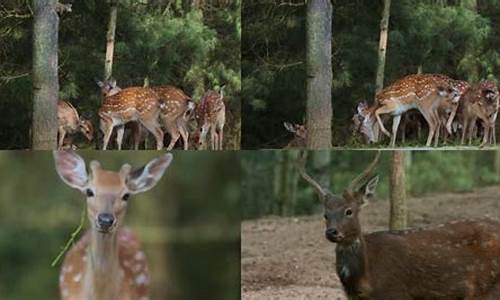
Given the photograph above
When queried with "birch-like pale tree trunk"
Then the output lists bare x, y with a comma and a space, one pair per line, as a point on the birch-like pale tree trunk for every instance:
382, 48
110, 39
399, 210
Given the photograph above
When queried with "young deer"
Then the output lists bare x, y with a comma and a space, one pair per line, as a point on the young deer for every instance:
300, 135
70, 122
121, 106
210, 116
458, 260
481, 102
175, 113
424, 92
107, 262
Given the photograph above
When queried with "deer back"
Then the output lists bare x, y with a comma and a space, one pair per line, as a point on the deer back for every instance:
175, 102
131, 103
67, 115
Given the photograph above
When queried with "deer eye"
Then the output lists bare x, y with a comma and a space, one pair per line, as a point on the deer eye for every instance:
348, 212
126, 197
89, 193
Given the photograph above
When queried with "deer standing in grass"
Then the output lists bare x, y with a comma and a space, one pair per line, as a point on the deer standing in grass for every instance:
300, 135
457, 260
424, 92
107, 262
210, 115
70, 122
121, 106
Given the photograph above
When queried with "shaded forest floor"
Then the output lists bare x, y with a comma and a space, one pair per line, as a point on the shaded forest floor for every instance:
289, 258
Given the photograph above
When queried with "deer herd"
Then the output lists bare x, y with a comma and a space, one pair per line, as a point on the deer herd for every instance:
452, 109
143, 110
456, 260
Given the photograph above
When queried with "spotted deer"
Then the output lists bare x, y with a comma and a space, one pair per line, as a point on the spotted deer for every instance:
481, 102
299, 135
210, 115
69, 122
121, 106
107, 262
176, 110
457, 260
424, 92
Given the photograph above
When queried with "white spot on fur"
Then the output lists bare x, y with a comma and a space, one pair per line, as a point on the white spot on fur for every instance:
142, 279
77, 277
139, 255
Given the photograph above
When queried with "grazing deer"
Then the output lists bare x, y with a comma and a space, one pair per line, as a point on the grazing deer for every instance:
300, 135
424, 92
210, 115
176, 110
457, 260
70, 122
481, 102
121, 106
107, 262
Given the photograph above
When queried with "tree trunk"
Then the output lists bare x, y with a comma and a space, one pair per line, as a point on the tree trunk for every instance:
45, 80
319, 74
399, 211
382, 48
110, 39
321, 162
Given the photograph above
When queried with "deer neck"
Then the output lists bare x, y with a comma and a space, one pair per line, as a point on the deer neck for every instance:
352, 266
101, 280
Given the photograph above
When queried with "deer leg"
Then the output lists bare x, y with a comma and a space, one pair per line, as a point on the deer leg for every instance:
472, 128
62, 133
181, 125
486, 133
213, 138
437, 132
221, 136
119, 135
154, 127
432, 127
465, 126
107, 128
395, 125
378, 112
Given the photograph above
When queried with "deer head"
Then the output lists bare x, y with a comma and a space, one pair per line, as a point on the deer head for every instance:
107, 193
87, 128
298, 130
341, 211
365, 122
108, 87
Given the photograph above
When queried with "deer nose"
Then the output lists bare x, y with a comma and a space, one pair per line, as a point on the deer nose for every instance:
105, 220
331, 233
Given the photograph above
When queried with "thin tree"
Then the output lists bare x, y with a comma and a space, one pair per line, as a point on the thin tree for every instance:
399, 210
382, 48
319, 74
110, 39
45, 80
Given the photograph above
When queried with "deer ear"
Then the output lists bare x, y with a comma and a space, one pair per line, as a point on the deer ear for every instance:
368, 190
112, 83
99, 83
71, 169
289, 126
147, 177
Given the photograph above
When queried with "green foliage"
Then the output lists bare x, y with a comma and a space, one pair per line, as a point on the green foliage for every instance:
438, 36
428, 172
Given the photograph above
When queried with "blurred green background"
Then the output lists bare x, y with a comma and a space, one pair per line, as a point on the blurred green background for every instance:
188, 223
271, 184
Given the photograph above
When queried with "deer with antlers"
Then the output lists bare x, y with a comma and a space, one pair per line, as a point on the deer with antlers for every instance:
121, 106
107, 262
424, 92
300, 135
458, 260
210, 115
69, 122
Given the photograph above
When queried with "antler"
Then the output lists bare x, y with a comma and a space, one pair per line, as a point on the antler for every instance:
301, 168
361, 177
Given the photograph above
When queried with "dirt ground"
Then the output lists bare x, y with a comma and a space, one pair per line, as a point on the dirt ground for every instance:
289, 258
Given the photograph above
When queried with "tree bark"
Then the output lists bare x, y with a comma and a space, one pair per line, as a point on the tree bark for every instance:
110, 39
399, 211
319, 74
321, 162
45, 80
382, 48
